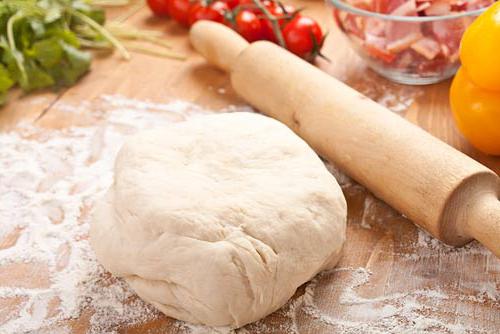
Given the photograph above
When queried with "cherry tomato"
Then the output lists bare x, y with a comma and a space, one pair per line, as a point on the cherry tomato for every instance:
278, 12
477, 114
159, 7
232, 3
213, 12
480, 49
249, 25
303, 37
268, 31
179, 10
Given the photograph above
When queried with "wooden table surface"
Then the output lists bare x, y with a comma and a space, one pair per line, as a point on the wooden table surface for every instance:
392, 277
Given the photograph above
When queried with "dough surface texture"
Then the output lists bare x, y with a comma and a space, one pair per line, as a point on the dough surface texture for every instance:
218, 220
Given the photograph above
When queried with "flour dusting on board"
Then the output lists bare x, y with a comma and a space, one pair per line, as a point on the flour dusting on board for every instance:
393, 96
50, 179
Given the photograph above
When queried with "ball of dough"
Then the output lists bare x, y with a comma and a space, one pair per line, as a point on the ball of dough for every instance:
219, 220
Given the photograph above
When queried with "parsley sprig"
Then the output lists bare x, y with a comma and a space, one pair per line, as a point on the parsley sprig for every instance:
41, 41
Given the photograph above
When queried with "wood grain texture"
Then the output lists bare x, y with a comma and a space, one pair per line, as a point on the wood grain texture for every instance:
390, 270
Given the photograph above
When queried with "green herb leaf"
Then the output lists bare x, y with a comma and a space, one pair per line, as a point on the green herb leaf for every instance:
65, 35
79, 62
40, 42
75, 64
11, 61
48, 52
37, 77
37, 27
5, 81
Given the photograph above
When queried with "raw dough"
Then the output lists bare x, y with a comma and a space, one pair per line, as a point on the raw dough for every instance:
219, 220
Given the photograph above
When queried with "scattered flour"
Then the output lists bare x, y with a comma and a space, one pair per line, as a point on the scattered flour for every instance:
408, 312
367, 213
393, 96
49, 180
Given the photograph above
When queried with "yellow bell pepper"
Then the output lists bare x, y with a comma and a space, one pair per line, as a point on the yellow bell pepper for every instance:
475, 91
480, 49
477, 113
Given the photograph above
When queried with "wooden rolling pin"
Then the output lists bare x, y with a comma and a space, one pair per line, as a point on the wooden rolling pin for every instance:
450, 195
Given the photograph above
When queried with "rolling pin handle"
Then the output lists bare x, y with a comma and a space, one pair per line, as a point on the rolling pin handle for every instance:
485, 225
217, 43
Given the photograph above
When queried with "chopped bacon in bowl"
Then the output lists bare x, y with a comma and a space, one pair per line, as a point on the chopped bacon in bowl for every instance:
408, 41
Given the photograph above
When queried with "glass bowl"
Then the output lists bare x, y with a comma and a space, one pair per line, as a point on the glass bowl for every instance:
415, 50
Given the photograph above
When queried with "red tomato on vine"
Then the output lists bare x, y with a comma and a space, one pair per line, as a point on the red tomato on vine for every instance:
303, 37
215, 11
179, 10
232, 3
249, 25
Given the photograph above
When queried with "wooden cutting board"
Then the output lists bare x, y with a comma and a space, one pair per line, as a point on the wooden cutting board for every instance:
392, 277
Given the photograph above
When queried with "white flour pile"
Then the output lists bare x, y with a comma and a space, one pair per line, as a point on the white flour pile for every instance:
49, 180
